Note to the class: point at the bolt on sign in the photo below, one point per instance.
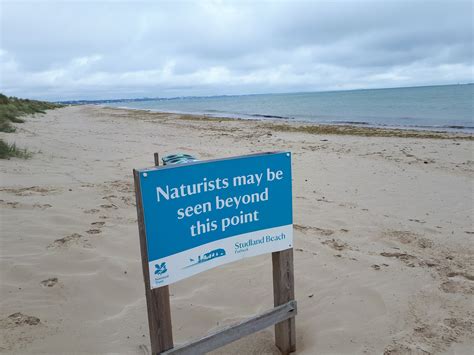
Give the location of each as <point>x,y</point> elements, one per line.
<point>204,214</point>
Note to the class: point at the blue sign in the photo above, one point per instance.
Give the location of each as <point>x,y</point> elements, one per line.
<point>204,214</point>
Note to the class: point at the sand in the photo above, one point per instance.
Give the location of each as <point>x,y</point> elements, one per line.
<point>383,239</point>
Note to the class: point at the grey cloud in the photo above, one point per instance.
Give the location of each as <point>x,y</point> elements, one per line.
<point>104,49</point>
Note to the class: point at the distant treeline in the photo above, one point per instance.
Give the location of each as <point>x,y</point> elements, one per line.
<point>98,102</point>
<point>105,101</point>
<point>11,109</point>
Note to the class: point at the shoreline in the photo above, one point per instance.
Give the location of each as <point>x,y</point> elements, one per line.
<point>311,127</point>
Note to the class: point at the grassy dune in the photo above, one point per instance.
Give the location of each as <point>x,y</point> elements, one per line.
<point>11,111</point>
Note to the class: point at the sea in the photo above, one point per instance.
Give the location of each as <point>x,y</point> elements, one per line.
<point>445,108</point>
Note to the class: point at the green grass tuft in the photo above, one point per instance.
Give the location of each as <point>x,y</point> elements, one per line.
<point>8,151</point>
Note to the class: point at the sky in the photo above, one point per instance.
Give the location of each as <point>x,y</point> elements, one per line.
<point>64,50</point>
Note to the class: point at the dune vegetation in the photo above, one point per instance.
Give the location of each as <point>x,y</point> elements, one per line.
<point>11,111</point>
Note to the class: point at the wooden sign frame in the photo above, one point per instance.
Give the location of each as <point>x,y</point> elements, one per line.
<point>159,311</point>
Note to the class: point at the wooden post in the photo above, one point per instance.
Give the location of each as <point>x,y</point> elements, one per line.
<point>158,299</point>
<point>283,292</point>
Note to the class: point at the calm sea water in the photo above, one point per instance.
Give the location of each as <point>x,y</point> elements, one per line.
<point>447,107</point>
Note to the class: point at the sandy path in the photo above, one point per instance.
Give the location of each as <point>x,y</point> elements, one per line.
<point>383,228</point>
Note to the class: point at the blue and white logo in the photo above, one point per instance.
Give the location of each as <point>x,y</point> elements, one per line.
<point>213,254</point>
<point>160,268</point>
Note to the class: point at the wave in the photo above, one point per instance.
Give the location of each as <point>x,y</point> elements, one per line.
<point>271,116</point>
<point>352,123</point>
<point>405,126</point>
<point>458,127</point>
<point>439,127</point>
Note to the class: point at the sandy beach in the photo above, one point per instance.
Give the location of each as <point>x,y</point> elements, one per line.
<point>384,259</point>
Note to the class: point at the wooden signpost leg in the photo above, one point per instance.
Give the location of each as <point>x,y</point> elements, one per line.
<point>158,299</point>
<point>283,292</point>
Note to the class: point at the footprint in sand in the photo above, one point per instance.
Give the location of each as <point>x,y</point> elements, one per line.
<point>439,335</point>
<point>98,224</point>
<point>112,199</point>
<point>94,231</point>
<point>336,244</point>
<point>20,332</point>
<point>424,243</point>
<point>123,186</point>
<point>30,191</point>
<point>108,206</point>
<point>128,201</point>
<point>92,211</point>
<point>378,267</point>
<point>68,241</point>
<point>416,220</point>
<point>460,326</point>
<point>42,206</point>
<point>15,204</point>
<point>407,237</point>
<point>305,251</point>
<point>459,282</point>
<point>9,204</point>
<point>19,319</point>
<point>49,282</point>
<point>406,258</point>
<point>461,275</point>
<point>321,231</point>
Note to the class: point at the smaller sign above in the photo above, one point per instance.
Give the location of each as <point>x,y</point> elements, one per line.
<point>201,215</point>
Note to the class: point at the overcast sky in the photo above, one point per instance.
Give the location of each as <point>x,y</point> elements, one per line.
<point>109,49</point>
